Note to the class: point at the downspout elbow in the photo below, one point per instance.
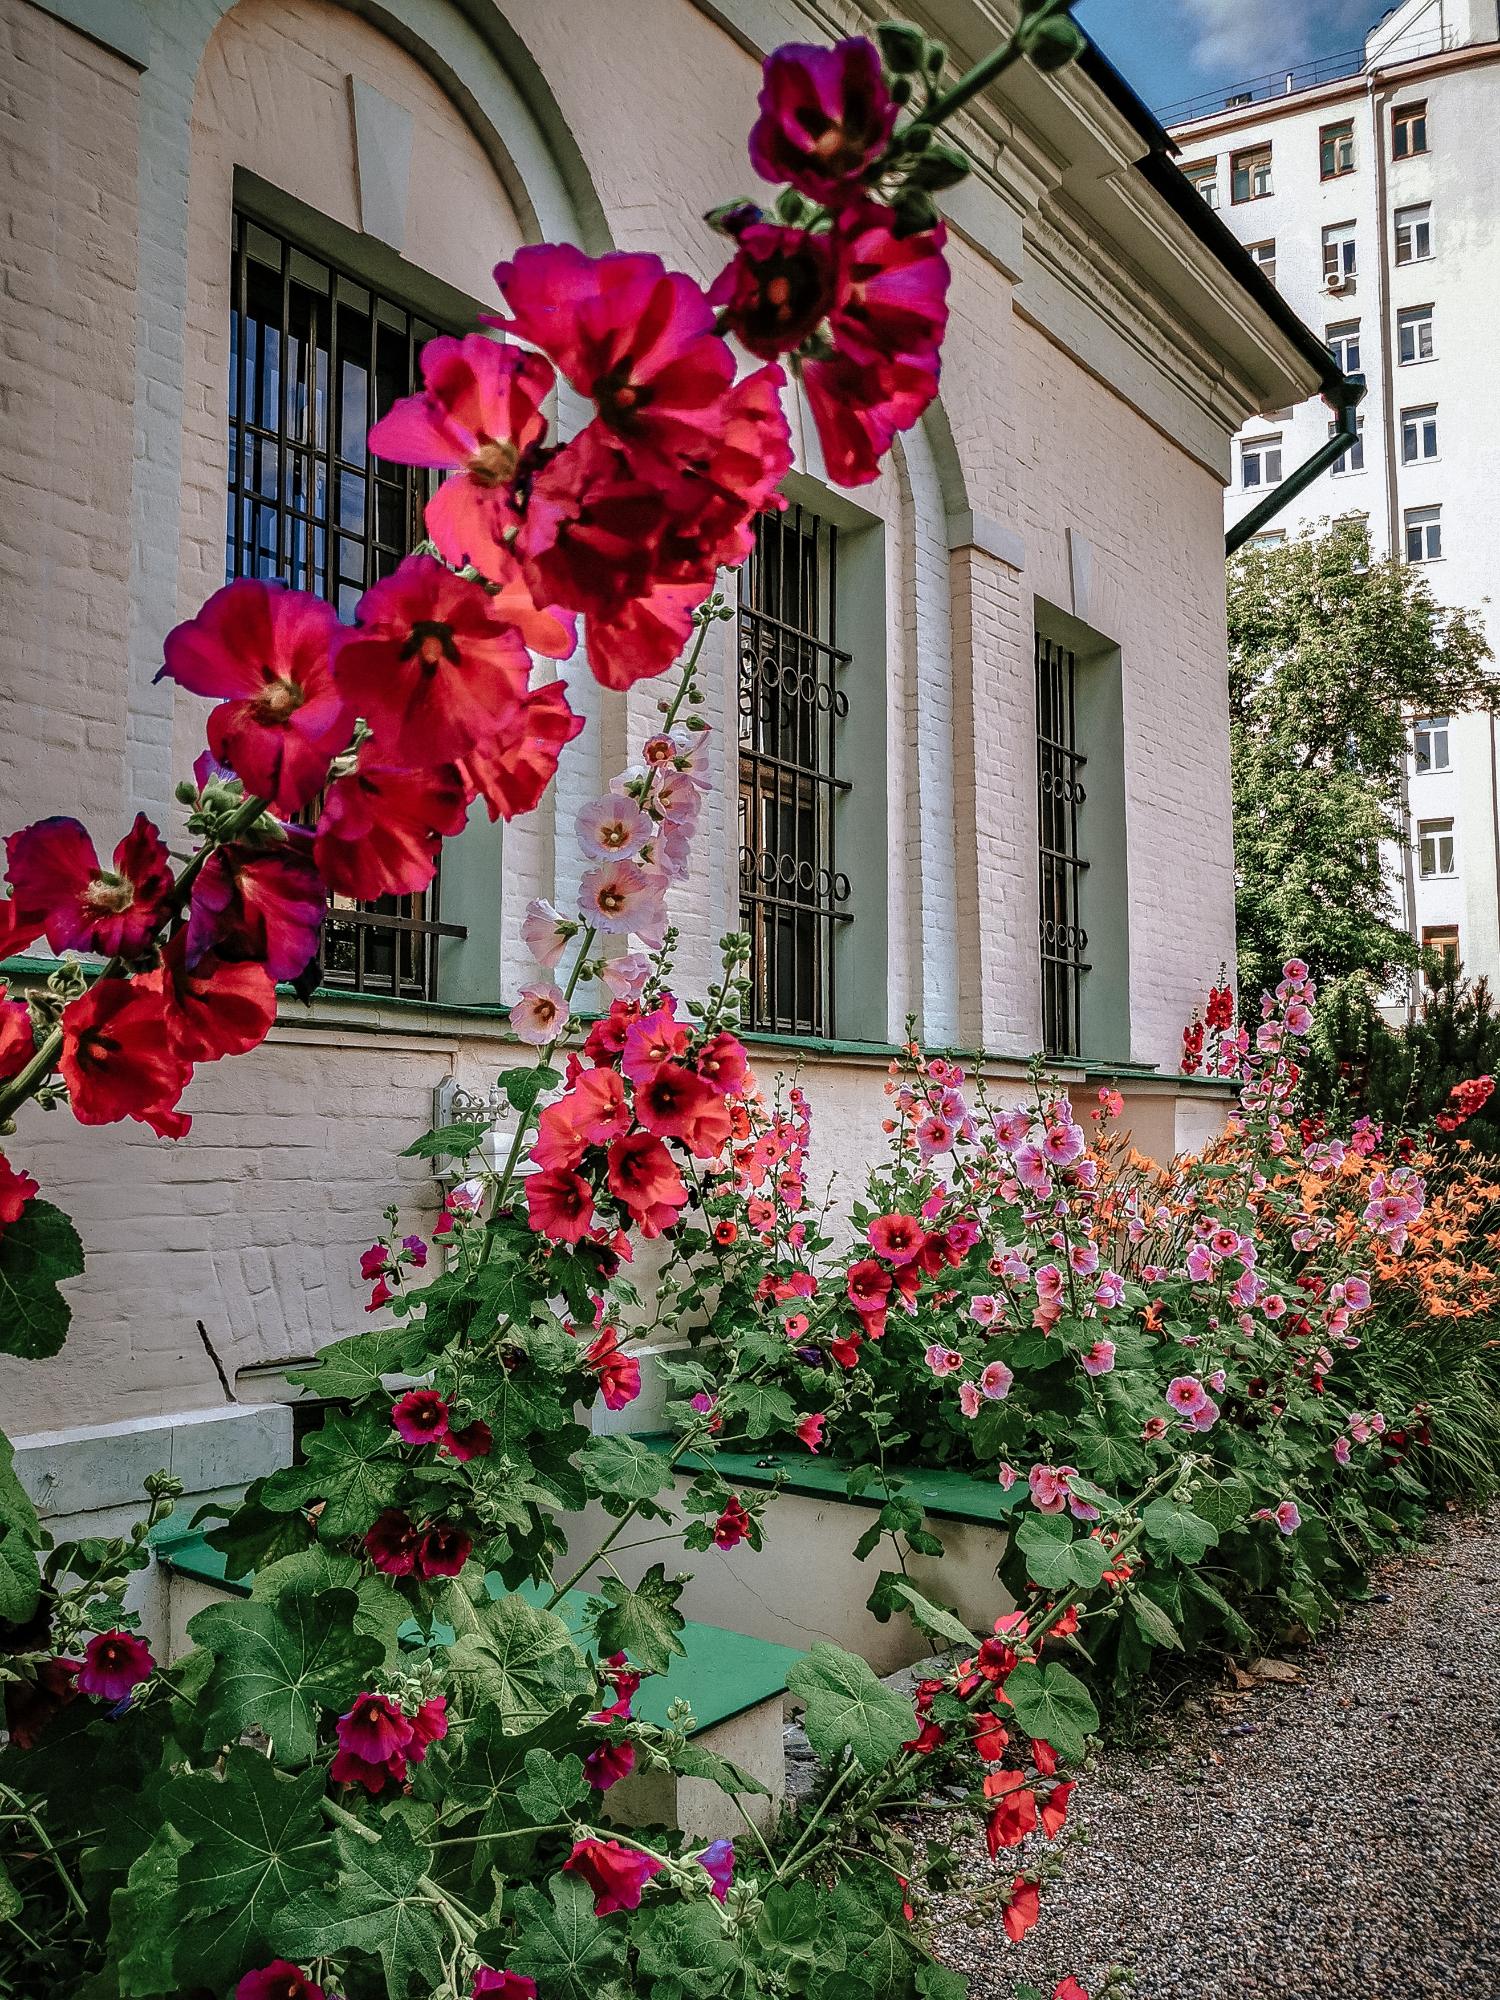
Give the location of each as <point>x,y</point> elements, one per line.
<point>1343,393</point>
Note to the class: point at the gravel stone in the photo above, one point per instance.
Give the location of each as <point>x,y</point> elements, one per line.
<point>1332,1838</point>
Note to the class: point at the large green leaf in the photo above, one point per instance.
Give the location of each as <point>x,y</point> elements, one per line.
<point>1226,1505</point>
<point>562,1945</point>
<point>1179,1530</point>
<point>622,1473</point>
<point>1052,1703</point>
<point>793,1931</point>
<point>849,1709</point>
<point>278,1666</point>
<point>1046,1541</point>
<point>349,1369</point>
<point>143,1917</point>
<point>552,1786</point>
<point>684,1946</point>
<point>352,1465</point>
<point>375,1905</point>
<point>37,1253</point>
<point>642,1623</point>
<point>930,1618</point>
<point>764,1407</point>
<point>521,1660</point>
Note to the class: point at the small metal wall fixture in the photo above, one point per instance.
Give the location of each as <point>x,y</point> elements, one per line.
<point>453,1105</point>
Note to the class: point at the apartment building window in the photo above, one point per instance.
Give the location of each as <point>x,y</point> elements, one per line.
<point>1060,794</point>
<point>1336,150</point>
<point>1419,434</point>
<point>1269,538</point>
<point>1260,462</point>
<point>1250,174</point>
<point>1430,742</point>
<point>793,895</point>
<point>1424,534</point>
<point>1408,129</point>
<point>1414,340</point>
<point>1203,176</point>
<point>1265,255</point>
<point>1440,943</point>
<point>1436,856</point>
<point>1353,459</point>
<point>1338,255</point>
<point>1414,233</point>
<point>1343,345</point>
<point>315,357</point>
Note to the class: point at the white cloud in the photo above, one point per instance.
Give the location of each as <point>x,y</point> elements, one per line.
<point>1252,37</point>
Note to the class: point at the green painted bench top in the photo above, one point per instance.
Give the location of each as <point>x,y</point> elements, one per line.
<point>944,1491</point>
<point>720,1674</point>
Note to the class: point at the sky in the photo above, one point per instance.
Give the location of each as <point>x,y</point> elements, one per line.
<point>1171,49</point>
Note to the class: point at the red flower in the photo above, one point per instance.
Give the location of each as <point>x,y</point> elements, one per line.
<point>258,905</point>
<point>645,636</point>
<point>19,927</point>
<point>266,650</point>
<point>1014,1814</point>
<point>559,1204</point>
<point>420,1417</point>
<point>723,1063</point>
<point>280,1980</point>
<point>1022,1909</point>
<point>433,667</point>
<point>726,1233</point>
<point>592,1113</point>
<point>502,1985</point>
<point>732,1526</point>
<point>676,1104</point>
<point>1054,1809</point>
<point>117,1060</point>
<point>57,879</point>
<point>858,410</point>
<point>653,1039</point>
<point>1069,1989</point>
<point>113,1664</point>
<point>810,1430</point>
<point>511,769</point>
<point>375,1728</point>
<point>479,414</point>
<point>869,1285</point>
<point>619,1374</point>
<point>643,1177</point>
<point>616,1874</point>
<point>473,1441</point>
<point>17,1038</point>
<point>893,300</point>
<point>380,830</point>
<point>778,288</point>
<point>17,1188</point>
<point>825,116</point>
<point>392,1542</point>
<point>443,1549</point>
<point>896,1238</point>
<point>607,1763</point>
<point>428,1726</point>
<point>349,1769</point>
<point>990,1739</point>
<point>931,1736</point>
<point>217,1009</point>
<point>1043,1756</point>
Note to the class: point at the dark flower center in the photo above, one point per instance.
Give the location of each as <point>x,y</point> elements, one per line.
<point>495,462</point>
<point>430,643</point>
<point>278,699</point>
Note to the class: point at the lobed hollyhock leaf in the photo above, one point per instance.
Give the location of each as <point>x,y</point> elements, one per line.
<point>867,1911</point>
<point>521,1660</point>
<point>792,1927</point>
<point>348,1370</point>
<point>941,1982</point>
<point>642,1623</point>
<point>351,1466</point>
<point>620,1470</point>
<point>143,1917</point>
<point>524,1086</point>
<point>764,1407</point>
<point>932,1618</point>
<point>686,1944</point>
<point>374,1905</point>
<point>848,1708</point>
<point>279,1667</point>
<point>1226,1505</point>
<point>1179,1530</point>
<point>252,1535</point>
<point>1153,1623</point>
<point>562,1945</point>
<point>1054,1704</point>
<point>552,1785</point>
<point>20,1538</point>
<point>37,1253</point>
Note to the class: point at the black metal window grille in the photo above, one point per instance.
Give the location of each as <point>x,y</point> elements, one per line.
<point>315,356</point>
<point>1060,794</point>
<point>793,895</point>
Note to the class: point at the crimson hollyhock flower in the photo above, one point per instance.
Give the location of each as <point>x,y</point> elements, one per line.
<point>779,287</point>
<point>433,667</point>
<point>19,927</point>
<point>375,1728</point>
<point>117,1060</point>
<point>17,1037</point>
<point>723,1064</point>
<point>392,1541</point>
<point>1054,1809</point>
<point>868,1284</point>
<point>58,879</point>
<point>619,1374</point>
<point>897,1238</point>
<point>652,1039</point>
<point>733,1525</point>
<point>428,1726</point>
<point>643,1177</point>
<point>859,410</point>
<point>420,1416</point>
<point>282,719</point>
<point>893,302</point>
<point>1022,1909</point>
<point>17,1189</point>
<point>443,1549</point>
<point>472,1441</point>
<point>559,1204</point>
<point>1069,1989</point>
<point>31,1704</point>
<point>826,115</point>
<point>216,1008</point>
<point>259,905</point>
<point>676,1104</point>
<point>592,1113</point>
<point>113,1664</point>
<point>511,769</point>
<point>479,414</point>
<point>1013,1815</point>
<point>617,1875</point>
<point>607,1763</point>
<point>490,1985</point>
<point>380,830</point>
<point>280,1980</point>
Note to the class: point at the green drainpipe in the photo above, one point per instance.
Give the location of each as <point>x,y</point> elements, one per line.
<point>1345,399</point>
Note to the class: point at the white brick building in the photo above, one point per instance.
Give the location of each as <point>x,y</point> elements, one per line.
<point>1366,187</point>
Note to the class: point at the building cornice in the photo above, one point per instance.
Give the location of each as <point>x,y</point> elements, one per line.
<point>1194,132</point>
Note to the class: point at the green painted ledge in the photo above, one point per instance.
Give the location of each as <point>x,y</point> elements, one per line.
<point>945,1493</point>
<point>720,1674</point>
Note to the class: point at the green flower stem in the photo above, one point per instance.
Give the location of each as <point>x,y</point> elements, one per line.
<point>21,1811</point>
<point>799,1846</point>
<point>26,1082</point>
<point>464,1922</point>
<point>683,1445</point>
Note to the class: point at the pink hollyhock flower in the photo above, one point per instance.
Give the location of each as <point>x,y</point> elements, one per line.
<point>723,1064</point>
<point>1006,1474</point>
<point>1357,1294</point>
<point>1205,1416</point>
<point>968,1399</point>
<point>1218,1381</point>
<point>718,1860</point>
<point>58,881</point>
<point>607,1763</point>
<point>1032,1171</point>
<point>613,826</point>
<point>1226,1242</point>
<point>655,1038</point>
<point>545,932</point>
<point>1063,1142</point>
<point>282,716</point>
<point>1200,1264</point>
<point>490,1985</point>
<point>264,906</point>
<point>995,1381</point>
<point>17,1190</point>
<point>778,287</point>
<point>1083,1259</point>
<point>559,1204</point>
<point>943,1361</point>
<point>621,896</point>
<point>117,1061</point>
<point>624,977</point>
<point>984,1309</point>
<point>810,1430</point>
<point>1049,1487</point>
<point>868,1285</point>
<point>593,1112</point>
<point>732,1526</point>
<point>217,1009</point>
<point>860,410</point>
<point>1110,1290</point>
<point>1273,1305</point>
<point>392,1542</point>
<point>896,1238</point>
<point>1341,1450</point>
<point>934,1135</point>
<point>540,1015</point>
<point>375,1728</point>
<point>443,1550</point>
<point>380,830</point>
<point>619,1374</point>
<point>280,1980</point>
<point>1100,1358</point>
<point>1050,1281</point>
<point>420,1417</point>
<point>1298,1018</point>
<point>1011,1129</point>
<point>113,1664</point>
<point>642,1175</point>
<point>1153,1429</point>
<point>617,1875</point>
<point>826,115</point>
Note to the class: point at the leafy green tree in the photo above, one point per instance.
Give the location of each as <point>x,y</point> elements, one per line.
<point>1331,654</point>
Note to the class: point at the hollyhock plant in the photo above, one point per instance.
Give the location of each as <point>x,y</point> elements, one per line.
<point>779,286</point>
<point>280,1980</point>
<point>490,1985</point>
<point>17,1191</point>
<point>617,1875</point>
<point>114,1663</point>
<point>380,829</point>
<point>17,1037</point>
<point>826,116</point>
<point>117,1059</point>
<point>717,1859</point>
<point>540,1015</point>
<point>607,1763</point>
<point>57,877</point>
<point>217,1008</point>
<point>420,1417</point>
<point>263,906</point>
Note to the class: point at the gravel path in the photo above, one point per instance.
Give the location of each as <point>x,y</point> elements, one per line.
<point>1335,1837</point>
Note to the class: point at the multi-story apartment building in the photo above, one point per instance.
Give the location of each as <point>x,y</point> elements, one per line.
<point>1365,187</point>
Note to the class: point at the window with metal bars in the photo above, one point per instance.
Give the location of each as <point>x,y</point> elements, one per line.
<point>1060,795</point>
<point>315,357</point>
<point>794,897</point>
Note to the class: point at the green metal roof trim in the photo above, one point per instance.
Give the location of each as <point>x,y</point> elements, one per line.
<point>945,1492</point>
